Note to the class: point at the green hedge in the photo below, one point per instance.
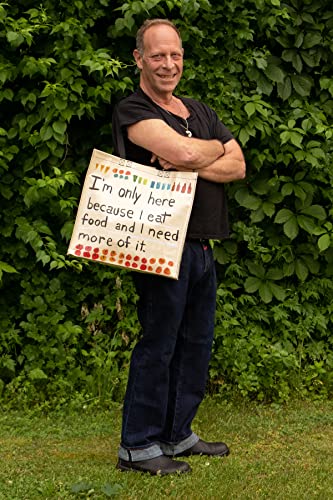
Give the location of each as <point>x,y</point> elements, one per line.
<point>67,327</point>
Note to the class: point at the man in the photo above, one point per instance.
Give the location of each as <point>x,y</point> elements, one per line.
<point>170,362</point>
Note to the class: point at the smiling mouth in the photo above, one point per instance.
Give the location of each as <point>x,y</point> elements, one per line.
<point>167,77</point>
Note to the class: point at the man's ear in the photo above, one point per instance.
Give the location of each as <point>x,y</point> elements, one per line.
<point>138,58</point>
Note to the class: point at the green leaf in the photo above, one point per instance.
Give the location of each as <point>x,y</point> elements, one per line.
<point>252,284</point>
<point>274,273</point>
<point>311,39</point>
<point>7,94</point>
<point>316,211</point>
<point>250,109</point>
<point>311,59</point>
<point>243,136</point>
<point>268,208</point>
<point>8,363</point>
<point>302,84</point>
<point>299,40</point>
<point>265,293</point>
<point>283,215</point>
<point>278,292</point>
<point>264,85</point>
<point>324,242</point>
<point>81,487</point>
<point>284,89</point>
<point>67,230</point>
<point>46,133</point>
<point>291,228</point>
<point>245,199</point>
<point>59,127</point>
<point>291,55</point>
<point>301,270</point>
<point>300,193</point>
<point>275,73</point>
<point>43,152</point>
<point>14,38</point>
<point>7,268</point>
<point>37,374</point>
<point>287,189</point>
<point>289,269</point>
<point>256,269</point>
<point>60,104</point>
<point>291,136</point>
<point>111,489</point>
<point>261,186</point>
<point>306,223</point>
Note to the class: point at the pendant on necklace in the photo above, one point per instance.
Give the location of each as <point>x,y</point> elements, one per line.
<point>188,133</point>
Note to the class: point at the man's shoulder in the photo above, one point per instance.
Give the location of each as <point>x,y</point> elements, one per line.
<point>134,97</point>
<point>196,104</point>
<point>135,107</point>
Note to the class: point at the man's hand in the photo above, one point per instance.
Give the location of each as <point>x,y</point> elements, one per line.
<point>166,165</point>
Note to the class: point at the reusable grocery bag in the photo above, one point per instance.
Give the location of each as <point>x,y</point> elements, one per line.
<point>133,216</point>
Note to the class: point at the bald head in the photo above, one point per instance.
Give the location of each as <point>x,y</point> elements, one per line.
<point>148,24</point>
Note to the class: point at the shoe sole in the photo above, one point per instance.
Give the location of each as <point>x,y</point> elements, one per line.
<point>123,468</point>
<point>184,454</point>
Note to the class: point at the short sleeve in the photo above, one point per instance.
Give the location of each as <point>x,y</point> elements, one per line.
<point>133,110</point>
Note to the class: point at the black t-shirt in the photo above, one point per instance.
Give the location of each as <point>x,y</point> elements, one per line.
<point>209,217</point>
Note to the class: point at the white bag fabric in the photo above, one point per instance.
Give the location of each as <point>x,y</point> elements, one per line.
<point>133,216</point>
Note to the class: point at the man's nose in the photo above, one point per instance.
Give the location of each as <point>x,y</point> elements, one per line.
<point>168,62</point>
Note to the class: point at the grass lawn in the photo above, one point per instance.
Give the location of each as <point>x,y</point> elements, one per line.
<point>276,453</point>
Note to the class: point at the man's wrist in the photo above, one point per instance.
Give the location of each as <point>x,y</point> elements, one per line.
<point>223,149</point>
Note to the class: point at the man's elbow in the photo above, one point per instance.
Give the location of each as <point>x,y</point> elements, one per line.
<point>191,157</point>
<point>238,171</point>
<point>242,170</point>
<point>185,157</point>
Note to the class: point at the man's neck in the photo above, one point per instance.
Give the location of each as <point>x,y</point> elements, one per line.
<point>160,99</point>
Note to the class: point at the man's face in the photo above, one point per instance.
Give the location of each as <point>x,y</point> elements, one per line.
<point>161,64</point>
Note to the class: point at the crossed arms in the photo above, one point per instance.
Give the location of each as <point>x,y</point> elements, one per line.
<point>212,160</point>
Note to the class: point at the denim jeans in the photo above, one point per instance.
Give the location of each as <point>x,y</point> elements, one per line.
<point>169,364</point>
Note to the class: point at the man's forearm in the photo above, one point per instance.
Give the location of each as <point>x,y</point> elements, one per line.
<point>200,153</point>
<point>182,152</point>
<point>197,155</point>
<point>225,169</point>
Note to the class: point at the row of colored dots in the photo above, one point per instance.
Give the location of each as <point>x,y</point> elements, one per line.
<point>126,260</point>
<point>122,174</point>
<point>173,187</point>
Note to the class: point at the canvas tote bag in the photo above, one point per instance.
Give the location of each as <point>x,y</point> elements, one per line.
<point>133,216</point>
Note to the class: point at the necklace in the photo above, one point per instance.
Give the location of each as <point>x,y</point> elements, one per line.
<point>187,130</point>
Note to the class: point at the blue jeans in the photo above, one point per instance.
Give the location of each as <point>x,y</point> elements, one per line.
<point>169,364</point>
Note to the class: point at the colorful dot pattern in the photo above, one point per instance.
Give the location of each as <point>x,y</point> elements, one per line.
<point>152,264</point>
<point>122,173</point>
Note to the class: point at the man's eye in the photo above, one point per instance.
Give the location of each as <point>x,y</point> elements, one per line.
<point>156,57</point>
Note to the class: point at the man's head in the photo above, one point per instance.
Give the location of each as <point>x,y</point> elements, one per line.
<point>147,24</point>
<point>159,57</point>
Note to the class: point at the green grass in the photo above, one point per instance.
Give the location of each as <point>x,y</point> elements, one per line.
<point>276,453</point>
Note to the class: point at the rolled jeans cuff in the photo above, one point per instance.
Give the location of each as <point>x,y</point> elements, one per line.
<point>137,454</point>
<point>174,449</point>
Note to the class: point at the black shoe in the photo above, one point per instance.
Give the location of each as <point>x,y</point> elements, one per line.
<point>204,448</point>
<point>159,466</point>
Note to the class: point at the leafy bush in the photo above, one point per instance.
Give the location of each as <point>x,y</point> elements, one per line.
<point>265,66</point>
